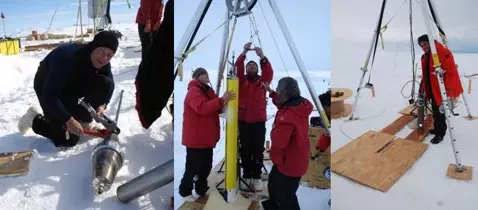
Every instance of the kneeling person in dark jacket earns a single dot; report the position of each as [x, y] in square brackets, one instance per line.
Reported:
[290, 145]
[69, 72]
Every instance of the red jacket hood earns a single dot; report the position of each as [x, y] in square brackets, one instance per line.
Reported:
[304, 108]
[194, 83]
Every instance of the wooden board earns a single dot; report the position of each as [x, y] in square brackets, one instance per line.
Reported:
[15, 163]
[466, 174]
[347, 94]
[418, 136]
[200, 203]
[376, 160]
[314, 177]
[408, 110]
[397, 125]
[215, 177]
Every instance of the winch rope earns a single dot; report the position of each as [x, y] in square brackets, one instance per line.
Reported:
[193, 48]
[273, 38]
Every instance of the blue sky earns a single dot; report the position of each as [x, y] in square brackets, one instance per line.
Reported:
[26, 15]
[308, 23]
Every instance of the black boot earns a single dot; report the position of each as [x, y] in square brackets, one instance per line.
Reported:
[432, 131]
[436, 139]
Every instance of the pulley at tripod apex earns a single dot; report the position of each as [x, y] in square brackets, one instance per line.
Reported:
[243, 6]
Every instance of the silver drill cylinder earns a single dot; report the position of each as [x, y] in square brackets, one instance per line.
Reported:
[146, 183]
[107, 161]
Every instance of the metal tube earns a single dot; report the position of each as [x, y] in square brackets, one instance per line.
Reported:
[146, 183]
[223, 58]
[445, 42]
[119, 106]
[189, 31]
[439, 73]
[107, 160]
[300, 64]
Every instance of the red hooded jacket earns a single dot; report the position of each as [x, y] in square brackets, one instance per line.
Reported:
[151, 10]
[201, 116]
[289, 137]
[450, 77]
[252, 95]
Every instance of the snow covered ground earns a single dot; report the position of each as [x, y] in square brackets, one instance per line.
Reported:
[424, 185]
[309, 198]
[61, 179]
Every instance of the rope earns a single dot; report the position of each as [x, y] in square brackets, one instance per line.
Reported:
[385, 27]
[362, 118]
[52, 18]
[185, 54]
[273, 38]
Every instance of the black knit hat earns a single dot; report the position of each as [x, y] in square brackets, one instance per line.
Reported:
[107, 39]
[423, 38]
[288, 88]
[198, 72]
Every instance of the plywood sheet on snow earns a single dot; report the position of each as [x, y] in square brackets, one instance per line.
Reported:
[376, 160]
[15, 163]
[417, 135]
[408, 110]
[397, 125]
[466, 174]
[315, 176]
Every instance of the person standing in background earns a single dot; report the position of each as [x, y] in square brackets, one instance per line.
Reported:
[149, 17]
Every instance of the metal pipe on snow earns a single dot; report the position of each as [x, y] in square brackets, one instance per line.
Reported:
[146, 183]
[300, 64]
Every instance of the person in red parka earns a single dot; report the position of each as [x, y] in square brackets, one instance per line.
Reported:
[430, 84]
[290, 145]
[148, 18]
[200, 133]
[252, 114]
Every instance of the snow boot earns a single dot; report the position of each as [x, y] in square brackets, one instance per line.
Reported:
[26, 121]
[436, 139]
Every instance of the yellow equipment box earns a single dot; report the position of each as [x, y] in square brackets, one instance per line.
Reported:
[9, 46]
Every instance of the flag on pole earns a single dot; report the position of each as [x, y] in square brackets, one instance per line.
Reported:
[2, 16]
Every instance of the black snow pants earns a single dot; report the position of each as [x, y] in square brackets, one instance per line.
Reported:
[98, 88]
[198, 167]
[252, 138]
[146, 39]
[282, 191]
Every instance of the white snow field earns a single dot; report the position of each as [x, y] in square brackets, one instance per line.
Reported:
[61, 179]
[309, 198]
[425, 185]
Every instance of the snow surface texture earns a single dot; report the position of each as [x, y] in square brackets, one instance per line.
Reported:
[309, 198]
[424, 185]
[61, 179]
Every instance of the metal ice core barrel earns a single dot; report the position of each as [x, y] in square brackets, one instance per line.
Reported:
[147, 182]
[107, 161]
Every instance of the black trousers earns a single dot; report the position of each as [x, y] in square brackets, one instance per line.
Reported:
[146, 39]
[439, 120]
[282, 191]
[252, 138]
[198, 163]
[94, 92]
